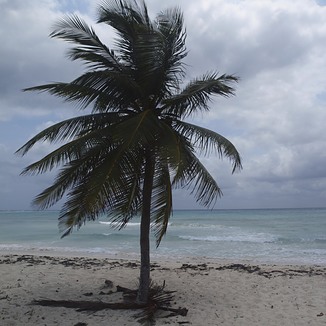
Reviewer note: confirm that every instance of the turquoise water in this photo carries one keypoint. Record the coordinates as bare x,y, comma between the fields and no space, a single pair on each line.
262,235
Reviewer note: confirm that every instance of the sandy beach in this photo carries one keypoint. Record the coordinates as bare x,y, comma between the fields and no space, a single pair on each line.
215,293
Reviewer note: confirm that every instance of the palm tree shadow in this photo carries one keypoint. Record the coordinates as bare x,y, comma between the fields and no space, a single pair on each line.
158,305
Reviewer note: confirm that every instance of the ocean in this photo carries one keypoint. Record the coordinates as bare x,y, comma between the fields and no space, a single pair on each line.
285,236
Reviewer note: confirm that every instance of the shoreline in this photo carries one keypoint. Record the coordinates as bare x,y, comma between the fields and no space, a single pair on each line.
214,292
56,252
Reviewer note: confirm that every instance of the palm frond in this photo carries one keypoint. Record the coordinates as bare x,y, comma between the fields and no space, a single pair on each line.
191,173
197,94
138,131
89,143
206,141
128,204
70,128
109,185
161,201
91,50
170,24
140,43
205,189
76,170
65,180
104,190
124,16
106,90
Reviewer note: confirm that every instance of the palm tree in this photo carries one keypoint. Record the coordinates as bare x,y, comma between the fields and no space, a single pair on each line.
126,155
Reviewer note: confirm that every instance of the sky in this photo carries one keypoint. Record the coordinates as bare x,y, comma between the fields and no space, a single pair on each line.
276,120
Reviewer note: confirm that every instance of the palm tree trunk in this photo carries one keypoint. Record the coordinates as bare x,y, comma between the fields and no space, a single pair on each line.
144,280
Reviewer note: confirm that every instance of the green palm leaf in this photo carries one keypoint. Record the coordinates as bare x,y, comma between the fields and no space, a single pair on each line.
161,201
106,90
170,24
102,190
197,94
208,141
70,128
90,50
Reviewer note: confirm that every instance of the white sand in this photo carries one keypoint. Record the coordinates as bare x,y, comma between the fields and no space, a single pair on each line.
214,293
